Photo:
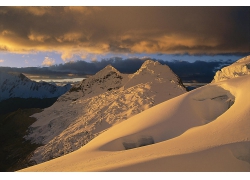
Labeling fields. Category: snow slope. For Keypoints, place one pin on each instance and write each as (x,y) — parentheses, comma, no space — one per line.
(18,85)
(206,129)
(99,102)
(237,69)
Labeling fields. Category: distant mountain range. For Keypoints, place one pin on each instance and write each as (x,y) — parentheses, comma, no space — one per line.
(17,85)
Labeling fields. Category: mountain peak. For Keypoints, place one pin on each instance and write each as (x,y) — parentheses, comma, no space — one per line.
(104,80)
(148,63)
(23,77)
(155,72)
(109,68)
(153,67)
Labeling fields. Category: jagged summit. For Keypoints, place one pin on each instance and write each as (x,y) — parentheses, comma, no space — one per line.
(23,77)
(154,67)
(153,71)
(149,63)
(239,68)
(106,79)
(109,69)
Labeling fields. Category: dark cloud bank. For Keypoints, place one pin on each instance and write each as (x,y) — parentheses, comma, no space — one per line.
(198,71)
(210,30)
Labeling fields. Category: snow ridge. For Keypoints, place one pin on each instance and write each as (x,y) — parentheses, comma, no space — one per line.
(18,85)
(99,102)
(237,69)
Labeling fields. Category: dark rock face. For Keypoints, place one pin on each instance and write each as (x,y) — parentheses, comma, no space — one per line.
(108,79)
(15,150)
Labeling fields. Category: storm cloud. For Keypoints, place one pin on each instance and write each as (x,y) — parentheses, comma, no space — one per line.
(81,30)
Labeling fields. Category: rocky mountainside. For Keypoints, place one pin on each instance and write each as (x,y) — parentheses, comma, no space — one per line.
(237,69)
(13,85)
(98,103)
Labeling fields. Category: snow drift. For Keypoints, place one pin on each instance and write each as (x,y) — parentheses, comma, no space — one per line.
(206,129)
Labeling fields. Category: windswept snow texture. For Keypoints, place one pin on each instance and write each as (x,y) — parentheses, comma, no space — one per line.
(206,129)
(18,85)
(237,69)
(99,102)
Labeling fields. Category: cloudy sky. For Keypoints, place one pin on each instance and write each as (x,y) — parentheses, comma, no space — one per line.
(46,36)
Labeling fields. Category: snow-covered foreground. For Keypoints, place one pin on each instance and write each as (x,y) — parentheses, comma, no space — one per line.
(206,129)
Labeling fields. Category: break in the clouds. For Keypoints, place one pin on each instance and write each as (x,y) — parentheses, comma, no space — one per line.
(81,30)
(1,61)
(48,61)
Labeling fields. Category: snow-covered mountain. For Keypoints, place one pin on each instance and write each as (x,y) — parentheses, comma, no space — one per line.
(206,129)
(99,102)
(237,69)
(18,85)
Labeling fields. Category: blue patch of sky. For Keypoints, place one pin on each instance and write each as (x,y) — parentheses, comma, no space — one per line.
(36,59)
